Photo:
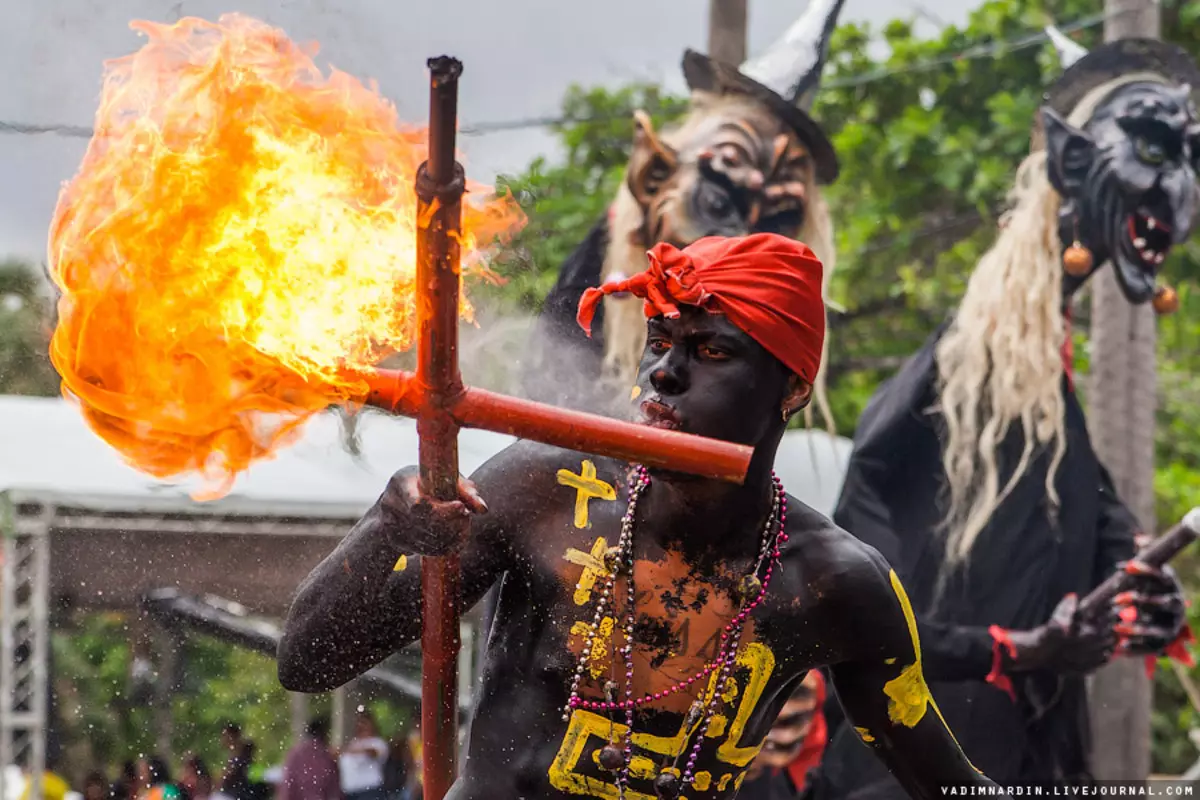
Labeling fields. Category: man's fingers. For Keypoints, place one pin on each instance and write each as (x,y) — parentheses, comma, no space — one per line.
(1143,631)
(1148,601)
(471,497)
(1141,569)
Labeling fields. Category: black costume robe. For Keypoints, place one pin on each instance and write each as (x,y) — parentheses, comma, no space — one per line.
(1022,564)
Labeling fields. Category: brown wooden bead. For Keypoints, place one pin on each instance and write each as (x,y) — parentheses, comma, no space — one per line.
(1166,300)
(1077,260)
(749,587)
(667,785)
(612,758)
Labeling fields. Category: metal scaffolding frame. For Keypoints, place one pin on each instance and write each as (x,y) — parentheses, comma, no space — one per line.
(24,641)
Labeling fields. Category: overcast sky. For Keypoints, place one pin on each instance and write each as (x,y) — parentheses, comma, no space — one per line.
(519,57)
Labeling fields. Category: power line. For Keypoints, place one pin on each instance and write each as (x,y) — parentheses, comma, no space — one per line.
(987,50)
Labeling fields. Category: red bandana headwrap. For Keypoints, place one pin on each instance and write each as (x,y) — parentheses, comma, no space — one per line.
(767,285)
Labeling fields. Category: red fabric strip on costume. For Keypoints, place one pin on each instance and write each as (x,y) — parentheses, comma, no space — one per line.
(767,285)
(996,677)
(814,742)
(1177,650)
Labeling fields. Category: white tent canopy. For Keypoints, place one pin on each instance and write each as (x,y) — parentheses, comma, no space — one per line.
(46,449)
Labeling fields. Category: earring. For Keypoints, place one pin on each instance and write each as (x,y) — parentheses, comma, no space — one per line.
(1077,259)
(1166,300)
(783,412)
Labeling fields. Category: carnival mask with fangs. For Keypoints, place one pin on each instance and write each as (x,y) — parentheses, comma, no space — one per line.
(1122,142)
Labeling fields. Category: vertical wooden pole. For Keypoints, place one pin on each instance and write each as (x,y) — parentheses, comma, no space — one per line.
(1121,421)
(727,30)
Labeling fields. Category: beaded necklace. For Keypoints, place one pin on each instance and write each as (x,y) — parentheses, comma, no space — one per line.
(751,590)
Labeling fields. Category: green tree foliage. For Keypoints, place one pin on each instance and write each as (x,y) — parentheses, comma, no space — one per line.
(25,313)
(564,201)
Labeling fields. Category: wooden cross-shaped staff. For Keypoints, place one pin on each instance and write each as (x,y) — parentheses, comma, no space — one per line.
(436,396)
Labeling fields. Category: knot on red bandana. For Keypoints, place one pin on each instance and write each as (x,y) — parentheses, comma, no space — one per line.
(767,285)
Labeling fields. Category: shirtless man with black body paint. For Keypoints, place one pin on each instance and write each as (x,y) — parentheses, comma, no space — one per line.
(548,533)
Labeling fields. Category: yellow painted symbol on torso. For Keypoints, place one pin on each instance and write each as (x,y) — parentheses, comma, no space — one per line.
(586,486)
(593,568)
(598,662)
(575,774)
(864,734)
(908,692)
(401,564)
(909,696)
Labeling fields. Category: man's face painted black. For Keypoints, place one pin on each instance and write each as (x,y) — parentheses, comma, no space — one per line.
(702,375)
(1128,181)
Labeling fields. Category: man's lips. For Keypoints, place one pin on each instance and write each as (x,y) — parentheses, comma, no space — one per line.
(659,415)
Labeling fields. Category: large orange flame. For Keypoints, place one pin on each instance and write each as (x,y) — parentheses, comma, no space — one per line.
(238,246)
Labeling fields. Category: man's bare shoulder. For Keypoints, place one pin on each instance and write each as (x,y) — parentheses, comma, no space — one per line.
(534,464)
(820,547)
(836,565)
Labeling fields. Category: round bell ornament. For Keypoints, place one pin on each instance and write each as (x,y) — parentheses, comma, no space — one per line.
(1166,300)
(612,758)
(1077,260)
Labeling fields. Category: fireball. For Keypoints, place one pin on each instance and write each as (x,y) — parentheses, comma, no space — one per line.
(238,247)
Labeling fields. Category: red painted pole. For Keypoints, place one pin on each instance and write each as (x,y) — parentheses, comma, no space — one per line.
(399,393)
(440,187)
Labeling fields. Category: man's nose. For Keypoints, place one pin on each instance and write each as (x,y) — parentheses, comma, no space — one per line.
(669,376)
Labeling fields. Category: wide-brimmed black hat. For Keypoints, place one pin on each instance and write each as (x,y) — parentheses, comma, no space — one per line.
(1087,70)
(785,78)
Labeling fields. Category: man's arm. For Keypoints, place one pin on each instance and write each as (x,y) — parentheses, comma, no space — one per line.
(363,601)
(894,425)
(882,687)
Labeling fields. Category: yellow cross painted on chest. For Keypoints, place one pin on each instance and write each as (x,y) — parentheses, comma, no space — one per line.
(593,567)
(586,486)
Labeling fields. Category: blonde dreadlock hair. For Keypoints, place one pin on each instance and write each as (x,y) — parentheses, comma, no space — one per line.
(999,362)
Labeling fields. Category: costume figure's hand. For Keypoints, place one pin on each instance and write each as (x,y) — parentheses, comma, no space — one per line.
(1152,612)
(1069,643)
(428,527)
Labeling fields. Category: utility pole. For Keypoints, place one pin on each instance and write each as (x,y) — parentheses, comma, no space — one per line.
(1122,401)
(727,31)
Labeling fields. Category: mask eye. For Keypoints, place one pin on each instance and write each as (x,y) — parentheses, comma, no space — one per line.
(1149,152)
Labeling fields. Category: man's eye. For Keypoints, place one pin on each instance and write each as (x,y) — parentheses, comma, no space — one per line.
(659,345)
(1149,152)
(712,353)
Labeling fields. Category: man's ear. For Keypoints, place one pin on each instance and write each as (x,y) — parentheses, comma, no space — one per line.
(799,393)
(1069,153)
(651,163)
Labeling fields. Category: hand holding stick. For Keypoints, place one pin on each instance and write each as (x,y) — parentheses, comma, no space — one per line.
(1155,555)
